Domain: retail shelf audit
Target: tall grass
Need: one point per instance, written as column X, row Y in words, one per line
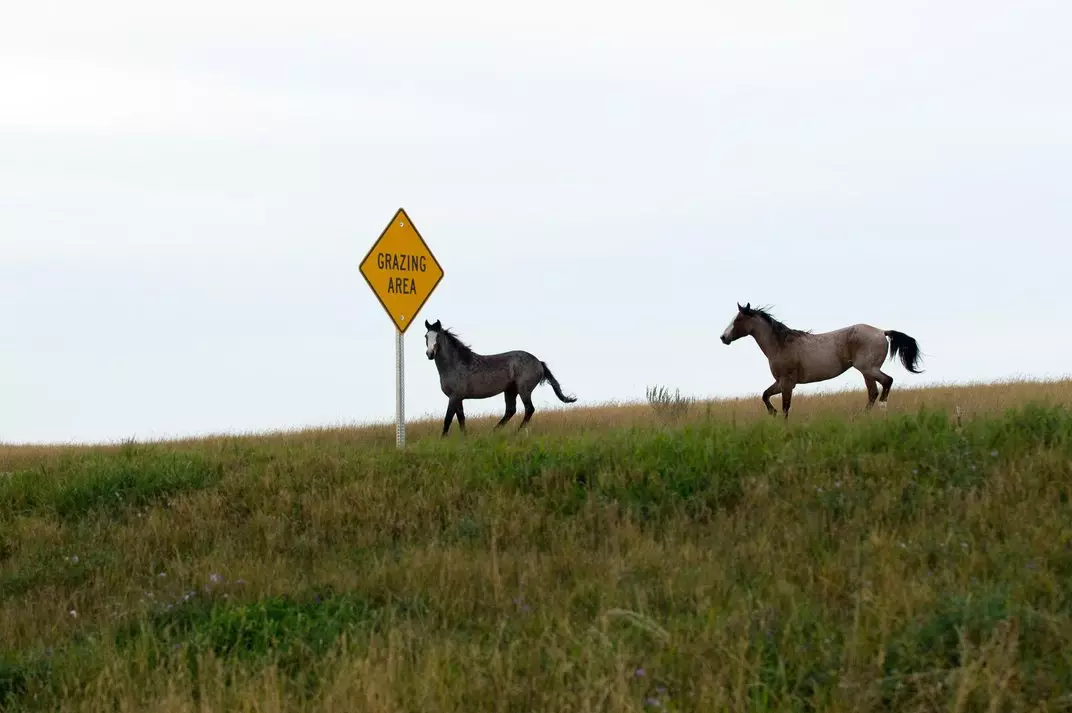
column 609, row 560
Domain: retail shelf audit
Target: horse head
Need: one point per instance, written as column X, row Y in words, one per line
column 738, row 326
column 431, row 338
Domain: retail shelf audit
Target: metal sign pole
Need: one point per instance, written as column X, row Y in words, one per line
column 400, row 390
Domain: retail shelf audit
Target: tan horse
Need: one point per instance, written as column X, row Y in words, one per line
column 800, row 357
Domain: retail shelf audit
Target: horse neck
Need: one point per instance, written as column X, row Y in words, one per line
column 446, row 358
column 764, row 336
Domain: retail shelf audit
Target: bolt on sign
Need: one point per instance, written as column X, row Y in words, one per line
column 401, row 270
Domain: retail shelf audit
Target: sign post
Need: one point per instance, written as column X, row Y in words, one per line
column 402, row 272
column 400, row 390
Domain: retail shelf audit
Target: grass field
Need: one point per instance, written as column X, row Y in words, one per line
column 613, row 559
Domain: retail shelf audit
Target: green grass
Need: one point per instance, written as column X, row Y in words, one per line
column 909, row 561
column 79, row 485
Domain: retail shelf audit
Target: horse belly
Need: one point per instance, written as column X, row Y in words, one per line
column 823, row 369
column 484, row 392
column 489, row 383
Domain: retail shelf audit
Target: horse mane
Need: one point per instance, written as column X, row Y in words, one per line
column 782, row 332
column 464, row 351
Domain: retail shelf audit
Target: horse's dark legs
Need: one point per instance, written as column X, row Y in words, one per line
column 454, row 407
column 511, row 406
column 460, row 413
column 526, row 398
column 773, row 389
column 447, row 419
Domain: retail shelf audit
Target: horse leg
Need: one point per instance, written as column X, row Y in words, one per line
column 460, row 413
column 787, row 395
column 887, row 383
column 874, row 374
column 526, row 398
column 511, row 406
column 775, row 388
column 452, row 406
column 872, row 391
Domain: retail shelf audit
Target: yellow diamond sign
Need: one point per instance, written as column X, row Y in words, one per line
column 401, row 270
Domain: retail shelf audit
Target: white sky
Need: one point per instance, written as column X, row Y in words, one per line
column 186, row 192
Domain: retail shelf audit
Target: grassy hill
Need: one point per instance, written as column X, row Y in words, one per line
column 613, row 559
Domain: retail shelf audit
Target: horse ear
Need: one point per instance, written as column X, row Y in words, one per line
column 426, row 325
column 747, row 306
column 739, row 307
column 437, row 324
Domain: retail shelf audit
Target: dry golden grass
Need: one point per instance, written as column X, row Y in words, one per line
column 969, row 399
column 608, row 560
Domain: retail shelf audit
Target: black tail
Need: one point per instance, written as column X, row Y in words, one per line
column 907, row 347
column 550, row 378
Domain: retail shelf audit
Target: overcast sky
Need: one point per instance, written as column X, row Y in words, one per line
column 186, row 191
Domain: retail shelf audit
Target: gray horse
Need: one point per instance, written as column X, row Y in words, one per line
column 464, row 374
column 800, row 357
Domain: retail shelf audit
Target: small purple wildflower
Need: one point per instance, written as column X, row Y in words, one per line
column 639, row 673
column 215, row 578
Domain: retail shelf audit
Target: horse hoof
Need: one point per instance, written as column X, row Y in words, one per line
column 882, row 405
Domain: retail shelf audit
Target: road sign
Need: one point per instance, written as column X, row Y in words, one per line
column 401, row 271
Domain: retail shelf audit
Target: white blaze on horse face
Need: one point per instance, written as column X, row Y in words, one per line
column 727, row 336
column 430, row 343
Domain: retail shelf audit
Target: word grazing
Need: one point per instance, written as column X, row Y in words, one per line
column 401, row 263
